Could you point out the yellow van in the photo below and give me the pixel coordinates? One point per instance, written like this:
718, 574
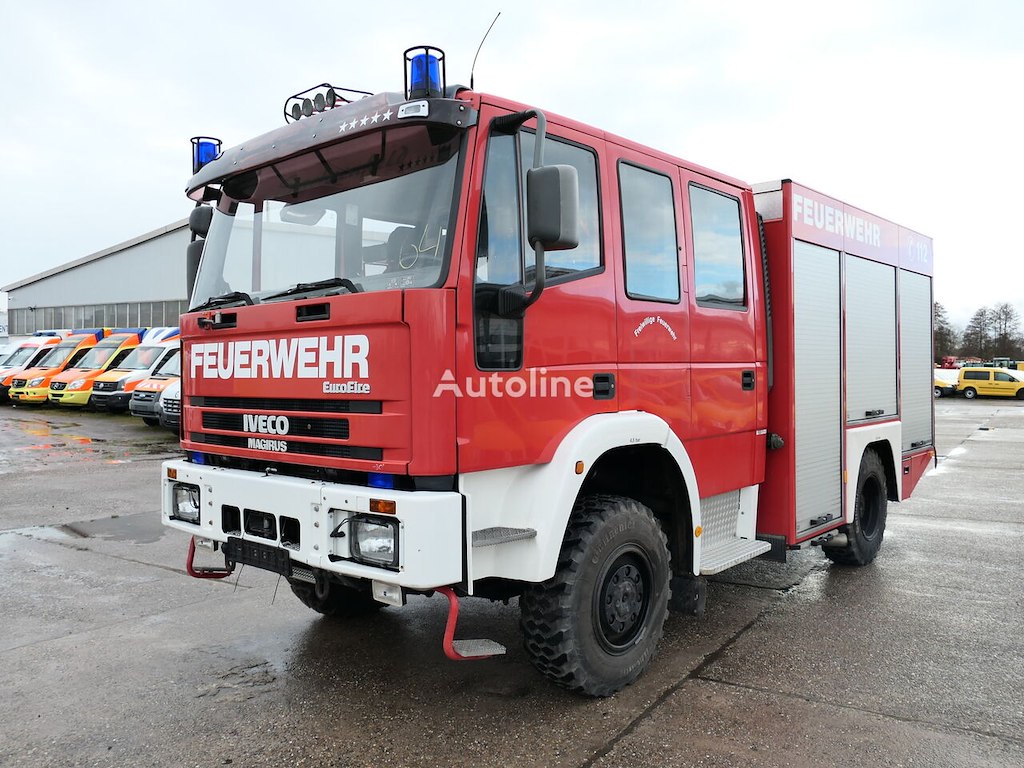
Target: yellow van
990, 381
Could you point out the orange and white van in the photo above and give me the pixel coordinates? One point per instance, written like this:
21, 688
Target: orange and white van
73, 386
112, 390
24, 355
32, 385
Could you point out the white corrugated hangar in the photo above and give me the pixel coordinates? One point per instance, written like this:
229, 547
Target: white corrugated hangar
138, 283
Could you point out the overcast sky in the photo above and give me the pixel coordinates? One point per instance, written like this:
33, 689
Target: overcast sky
909, 110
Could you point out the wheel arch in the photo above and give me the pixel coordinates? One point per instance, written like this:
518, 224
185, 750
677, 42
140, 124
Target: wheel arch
541, 497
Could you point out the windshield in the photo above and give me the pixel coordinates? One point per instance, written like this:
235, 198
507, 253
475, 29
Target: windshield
374, 210
57, 355
141, 358
95, 358
20, 357
171, 366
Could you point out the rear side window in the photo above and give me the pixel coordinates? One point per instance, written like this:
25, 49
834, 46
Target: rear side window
976, 375
649, 240
719, 279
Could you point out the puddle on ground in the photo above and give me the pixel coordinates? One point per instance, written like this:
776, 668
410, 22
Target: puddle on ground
141, 528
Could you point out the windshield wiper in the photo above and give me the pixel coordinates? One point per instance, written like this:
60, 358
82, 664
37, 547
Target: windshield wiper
233, 297
319, 285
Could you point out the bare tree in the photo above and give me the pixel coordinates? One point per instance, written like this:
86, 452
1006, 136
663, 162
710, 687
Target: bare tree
977, 338
946, 336
1005, 324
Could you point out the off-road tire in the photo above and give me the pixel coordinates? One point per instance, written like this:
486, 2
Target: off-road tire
970, 393
335, 600
594, 626
864, 535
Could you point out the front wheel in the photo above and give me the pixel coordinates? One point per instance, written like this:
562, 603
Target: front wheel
937, 392
594, 626
864, 534
970, 393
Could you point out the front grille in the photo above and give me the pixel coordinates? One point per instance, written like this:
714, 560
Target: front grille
104, 386
57, 386
144, 397
294, 446
298, 426
19, 383
172, 406
285, 404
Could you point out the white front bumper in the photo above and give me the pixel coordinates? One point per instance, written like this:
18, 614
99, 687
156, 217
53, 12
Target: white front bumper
431, 536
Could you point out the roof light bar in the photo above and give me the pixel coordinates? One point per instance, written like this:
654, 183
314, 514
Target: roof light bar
319, 98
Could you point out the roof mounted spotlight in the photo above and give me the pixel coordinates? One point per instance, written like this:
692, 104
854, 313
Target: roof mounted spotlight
424, 72
204, 149
319, 98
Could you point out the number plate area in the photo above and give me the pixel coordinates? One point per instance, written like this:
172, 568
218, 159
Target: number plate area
242, 552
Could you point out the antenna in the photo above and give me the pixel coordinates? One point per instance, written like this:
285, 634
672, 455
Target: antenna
473, 68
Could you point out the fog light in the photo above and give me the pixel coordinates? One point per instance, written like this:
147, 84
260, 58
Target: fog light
185, 502
375, 541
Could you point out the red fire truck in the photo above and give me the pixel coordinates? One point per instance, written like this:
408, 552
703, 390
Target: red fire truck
440, 341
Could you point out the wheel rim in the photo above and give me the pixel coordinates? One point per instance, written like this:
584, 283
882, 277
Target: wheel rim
623, 599
871, 507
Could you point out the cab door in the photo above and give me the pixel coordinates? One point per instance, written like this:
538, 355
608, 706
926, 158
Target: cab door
653, 316
527, 378
728, 375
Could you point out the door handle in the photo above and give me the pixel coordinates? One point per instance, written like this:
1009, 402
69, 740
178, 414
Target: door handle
604, 386
747, 379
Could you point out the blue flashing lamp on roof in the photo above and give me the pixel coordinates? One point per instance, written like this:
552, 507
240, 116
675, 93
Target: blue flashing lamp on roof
424, 72
204, 149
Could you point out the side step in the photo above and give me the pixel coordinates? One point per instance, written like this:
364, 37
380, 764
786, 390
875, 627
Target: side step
464, 650
488, 537
726, 554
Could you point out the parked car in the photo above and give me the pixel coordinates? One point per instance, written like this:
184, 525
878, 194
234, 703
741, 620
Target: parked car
170, 406
943, 388
145, 402
998, 382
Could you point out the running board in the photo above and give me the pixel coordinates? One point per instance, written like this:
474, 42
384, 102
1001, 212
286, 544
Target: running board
464, 650
488, 537
726, 554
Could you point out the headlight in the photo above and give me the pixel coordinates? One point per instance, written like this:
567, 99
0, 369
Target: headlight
76, 384
375, 541
120, 385
36, 381
185, 502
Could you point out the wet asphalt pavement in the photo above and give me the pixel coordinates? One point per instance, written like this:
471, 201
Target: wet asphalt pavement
112, 656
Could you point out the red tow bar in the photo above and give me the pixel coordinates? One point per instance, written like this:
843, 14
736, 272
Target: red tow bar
464, 650
203, 573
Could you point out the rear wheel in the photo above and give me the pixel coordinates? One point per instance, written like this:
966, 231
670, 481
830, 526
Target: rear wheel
594, 626
864, 534
333, 599
970, 393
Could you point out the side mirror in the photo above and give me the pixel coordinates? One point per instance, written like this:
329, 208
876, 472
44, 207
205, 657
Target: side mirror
192, 256
552, 207
199, 220
199, 223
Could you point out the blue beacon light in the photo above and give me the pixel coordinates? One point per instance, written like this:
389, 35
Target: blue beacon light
204, 149
424, 72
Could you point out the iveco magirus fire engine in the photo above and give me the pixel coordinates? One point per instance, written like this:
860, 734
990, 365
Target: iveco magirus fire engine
440, 341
